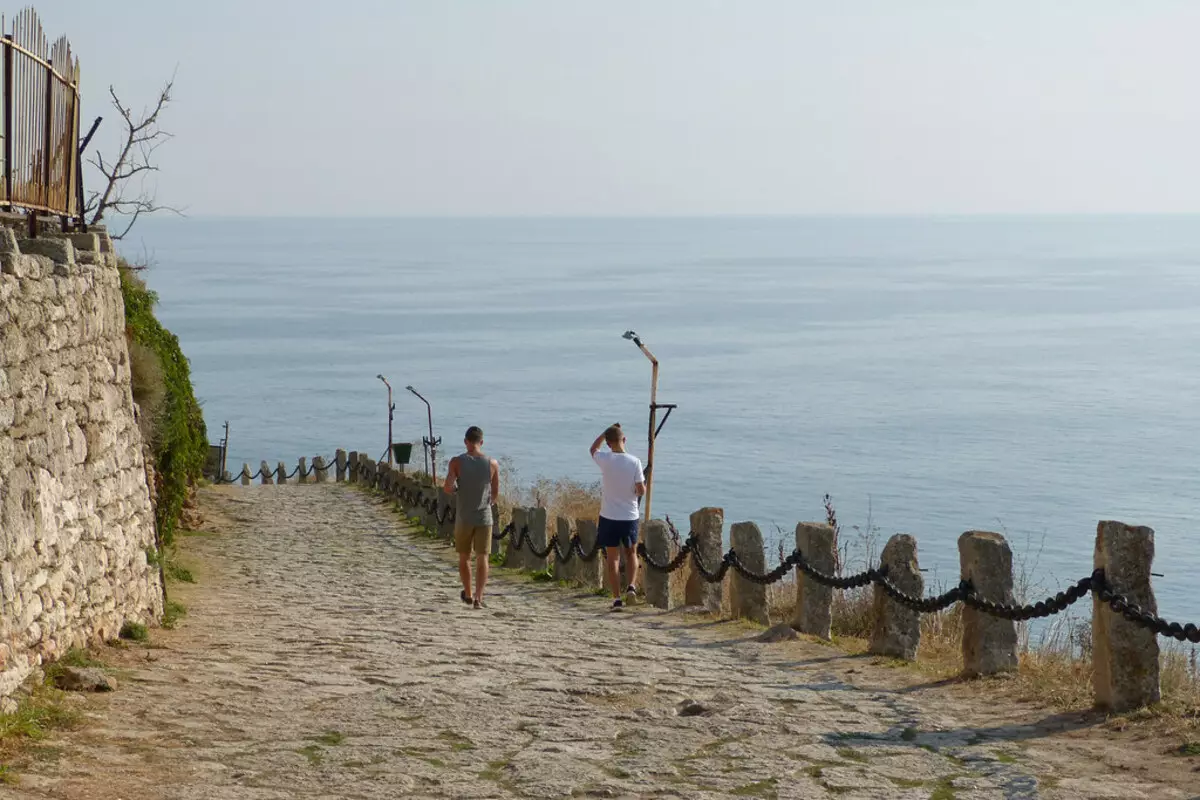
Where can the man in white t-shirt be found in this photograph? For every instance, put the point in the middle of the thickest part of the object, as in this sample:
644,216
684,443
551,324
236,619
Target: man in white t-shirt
622,482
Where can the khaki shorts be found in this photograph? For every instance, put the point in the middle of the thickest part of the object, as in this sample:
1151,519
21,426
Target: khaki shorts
478,535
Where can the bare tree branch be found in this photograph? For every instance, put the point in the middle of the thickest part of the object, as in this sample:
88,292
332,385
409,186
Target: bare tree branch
142,138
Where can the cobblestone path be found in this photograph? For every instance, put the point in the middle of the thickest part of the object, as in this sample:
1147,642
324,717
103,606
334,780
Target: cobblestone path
326,655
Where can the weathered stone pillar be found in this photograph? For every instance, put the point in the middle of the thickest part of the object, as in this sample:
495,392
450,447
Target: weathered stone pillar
340,456
588,573
281,473
351,466
539,538
817,542
496,528
227,477
366,469
660,549
302,473
564,570
989,643
380,475
445,503
245,474
320,468
512,556
265,472
746,598
896,629
708,525
1124,656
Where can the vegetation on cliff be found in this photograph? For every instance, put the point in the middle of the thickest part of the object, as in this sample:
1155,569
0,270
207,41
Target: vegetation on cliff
172,422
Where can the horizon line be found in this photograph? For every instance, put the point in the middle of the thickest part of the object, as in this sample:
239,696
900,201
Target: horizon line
674,216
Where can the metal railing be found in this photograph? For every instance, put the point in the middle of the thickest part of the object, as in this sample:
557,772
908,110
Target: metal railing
41,121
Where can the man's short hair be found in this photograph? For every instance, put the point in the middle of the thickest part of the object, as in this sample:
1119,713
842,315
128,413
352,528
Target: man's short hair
474,434
613,435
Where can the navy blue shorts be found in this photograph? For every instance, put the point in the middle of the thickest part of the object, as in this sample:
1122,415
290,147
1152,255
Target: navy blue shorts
616,533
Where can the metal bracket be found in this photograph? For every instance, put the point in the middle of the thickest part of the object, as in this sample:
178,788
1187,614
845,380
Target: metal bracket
669,407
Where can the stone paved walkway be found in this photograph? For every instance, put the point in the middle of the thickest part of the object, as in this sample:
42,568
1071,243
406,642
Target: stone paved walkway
326,655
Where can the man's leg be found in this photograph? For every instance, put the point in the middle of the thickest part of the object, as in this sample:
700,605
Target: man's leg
483,542
612,570
462,544
631,564
464,570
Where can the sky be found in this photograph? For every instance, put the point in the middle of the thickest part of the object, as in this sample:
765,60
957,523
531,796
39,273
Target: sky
655,107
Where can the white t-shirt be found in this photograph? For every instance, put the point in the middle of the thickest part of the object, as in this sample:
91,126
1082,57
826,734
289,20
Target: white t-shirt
619,474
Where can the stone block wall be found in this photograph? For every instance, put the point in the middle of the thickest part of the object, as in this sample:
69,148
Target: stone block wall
76,522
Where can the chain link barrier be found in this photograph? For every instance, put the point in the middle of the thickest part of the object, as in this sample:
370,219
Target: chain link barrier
1096,583
964,592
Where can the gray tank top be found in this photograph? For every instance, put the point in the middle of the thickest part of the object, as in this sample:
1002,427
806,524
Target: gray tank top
474,490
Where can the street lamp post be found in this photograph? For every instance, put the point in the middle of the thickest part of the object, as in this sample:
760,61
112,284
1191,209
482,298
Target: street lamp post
654,407
431,442
391,410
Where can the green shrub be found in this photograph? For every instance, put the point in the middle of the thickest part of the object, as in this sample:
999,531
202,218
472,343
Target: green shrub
134,632
162,386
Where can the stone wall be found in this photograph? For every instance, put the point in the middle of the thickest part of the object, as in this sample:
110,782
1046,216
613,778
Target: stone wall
76,523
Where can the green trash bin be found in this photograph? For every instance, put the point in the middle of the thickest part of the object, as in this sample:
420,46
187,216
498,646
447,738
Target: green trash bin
401,452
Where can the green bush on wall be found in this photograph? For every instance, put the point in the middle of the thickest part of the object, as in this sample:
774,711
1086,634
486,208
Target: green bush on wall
162,387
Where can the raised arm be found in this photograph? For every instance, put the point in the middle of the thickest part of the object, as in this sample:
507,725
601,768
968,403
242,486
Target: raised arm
495,481
596,444
451,476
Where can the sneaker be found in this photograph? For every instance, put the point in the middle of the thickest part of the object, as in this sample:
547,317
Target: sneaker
617,604
466,598
631,590
478,605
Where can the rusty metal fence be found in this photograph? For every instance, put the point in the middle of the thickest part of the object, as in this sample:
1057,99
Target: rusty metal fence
41,121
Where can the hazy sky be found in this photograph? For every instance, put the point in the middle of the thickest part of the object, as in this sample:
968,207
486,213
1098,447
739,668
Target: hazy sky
657,106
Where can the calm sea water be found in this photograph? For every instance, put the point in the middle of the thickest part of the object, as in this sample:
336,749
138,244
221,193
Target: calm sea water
934,375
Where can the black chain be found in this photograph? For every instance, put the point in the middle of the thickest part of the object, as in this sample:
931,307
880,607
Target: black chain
964,592
1120,604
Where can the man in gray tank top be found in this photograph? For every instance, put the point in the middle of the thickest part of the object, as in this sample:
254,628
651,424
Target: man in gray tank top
474,479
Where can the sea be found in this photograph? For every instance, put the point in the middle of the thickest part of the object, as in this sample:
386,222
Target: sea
931,375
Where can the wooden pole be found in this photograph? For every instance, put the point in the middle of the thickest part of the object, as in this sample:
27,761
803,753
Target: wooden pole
653,421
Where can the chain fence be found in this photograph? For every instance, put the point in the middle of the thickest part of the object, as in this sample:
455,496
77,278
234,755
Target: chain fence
1096,583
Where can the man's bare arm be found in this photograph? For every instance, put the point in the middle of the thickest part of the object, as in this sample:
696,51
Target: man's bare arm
451,476
639,489
495,481
596,444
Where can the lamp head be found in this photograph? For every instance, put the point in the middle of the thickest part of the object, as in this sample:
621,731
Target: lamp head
414,391
633,337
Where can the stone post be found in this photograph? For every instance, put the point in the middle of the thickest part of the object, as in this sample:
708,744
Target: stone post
340,455
445,503
989,643
320,468
746,598
265,472
539,538
1124,656
302,474
245,474
708,525
513,556
227,477
281,473
351,466
896,629
660,549
588,573
496,528
380,475
564,570
817,542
